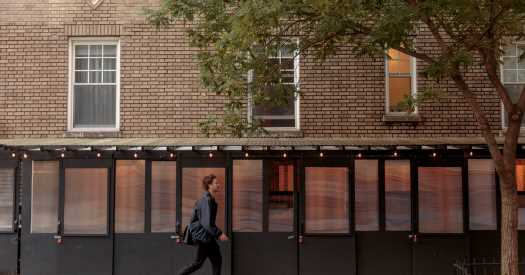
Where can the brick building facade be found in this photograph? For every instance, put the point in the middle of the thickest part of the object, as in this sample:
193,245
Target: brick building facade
160,93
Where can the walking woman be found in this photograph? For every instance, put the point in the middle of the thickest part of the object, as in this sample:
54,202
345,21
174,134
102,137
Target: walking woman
205,213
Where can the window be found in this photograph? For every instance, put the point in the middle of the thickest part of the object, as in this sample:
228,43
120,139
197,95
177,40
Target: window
247,196
163,196
94,88
86,201
366,195
130,196
281,117
513,72
397,195
326,200
482,194
401,79
44,197
440,200
281,198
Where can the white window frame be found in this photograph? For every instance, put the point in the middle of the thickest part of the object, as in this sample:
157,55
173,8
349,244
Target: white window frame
503,124
296,96
413,81
91,41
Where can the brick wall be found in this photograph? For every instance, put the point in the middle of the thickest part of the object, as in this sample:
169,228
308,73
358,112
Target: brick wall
160,94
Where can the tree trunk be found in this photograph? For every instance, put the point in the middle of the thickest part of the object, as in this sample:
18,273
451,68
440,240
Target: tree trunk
509,224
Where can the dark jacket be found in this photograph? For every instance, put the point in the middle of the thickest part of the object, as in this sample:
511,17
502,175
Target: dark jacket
205,212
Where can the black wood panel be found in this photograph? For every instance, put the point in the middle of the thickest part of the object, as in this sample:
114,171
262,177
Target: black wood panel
383,253
327,255
264,253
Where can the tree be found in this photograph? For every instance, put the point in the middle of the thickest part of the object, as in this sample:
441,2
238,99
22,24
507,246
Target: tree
235,37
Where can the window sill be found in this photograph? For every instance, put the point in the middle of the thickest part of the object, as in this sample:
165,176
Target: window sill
94,134
287,133
401,117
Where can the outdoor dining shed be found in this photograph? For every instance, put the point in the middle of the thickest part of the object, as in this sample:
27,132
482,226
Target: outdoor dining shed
291,206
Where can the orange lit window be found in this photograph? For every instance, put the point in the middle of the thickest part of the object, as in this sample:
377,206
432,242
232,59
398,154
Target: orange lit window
400,80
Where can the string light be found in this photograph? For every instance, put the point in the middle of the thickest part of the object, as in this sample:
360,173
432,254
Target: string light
321,154
434,154
99,154
135,155
284,155
172,155
210,155
13,155
25,155
62,155
395,154
471,153
246,155
359,155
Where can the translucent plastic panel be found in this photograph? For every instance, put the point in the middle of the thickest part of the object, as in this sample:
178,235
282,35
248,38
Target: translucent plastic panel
482,194
130,196
247,196
397,195
281,198
192,190
366,195
520,174
7,189
44,197
163,196
440,200
326,200
86,201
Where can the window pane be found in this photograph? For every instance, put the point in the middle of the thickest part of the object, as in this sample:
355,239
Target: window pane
130,196
440,200
482,194
398,62
326,200
86,201
110,50
81,64
110,63
94,106
95,51
81,77
366,195
95,77
520,174
247,196
44,197
398,88
163,196
95,64
109,77
81,51
397,195
281,197
192,190
7,189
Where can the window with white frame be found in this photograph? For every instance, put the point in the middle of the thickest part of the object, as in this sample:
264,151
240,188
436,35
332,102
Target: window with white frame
283,116
94,88
513,72
401,80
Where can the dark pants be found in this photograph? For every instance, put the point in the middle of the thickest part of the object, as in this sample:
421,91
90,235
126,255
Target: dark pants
205,250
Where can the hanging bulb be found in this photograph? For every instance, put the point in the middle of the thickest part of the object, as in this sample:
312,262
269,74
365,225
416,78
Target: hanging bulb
434,154
359,155
172,155
246,155
62,155
99,154
471,153
135,155
210,155
284,155
13,155
321,154
395,154
25,155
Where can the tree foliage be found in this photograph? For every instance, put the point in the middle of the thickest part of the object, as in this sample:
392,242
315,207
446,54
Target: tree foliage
236,37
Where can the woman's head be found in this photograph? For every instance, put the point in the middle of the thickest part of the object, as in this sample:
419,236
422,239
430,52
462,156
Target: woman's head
209,183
